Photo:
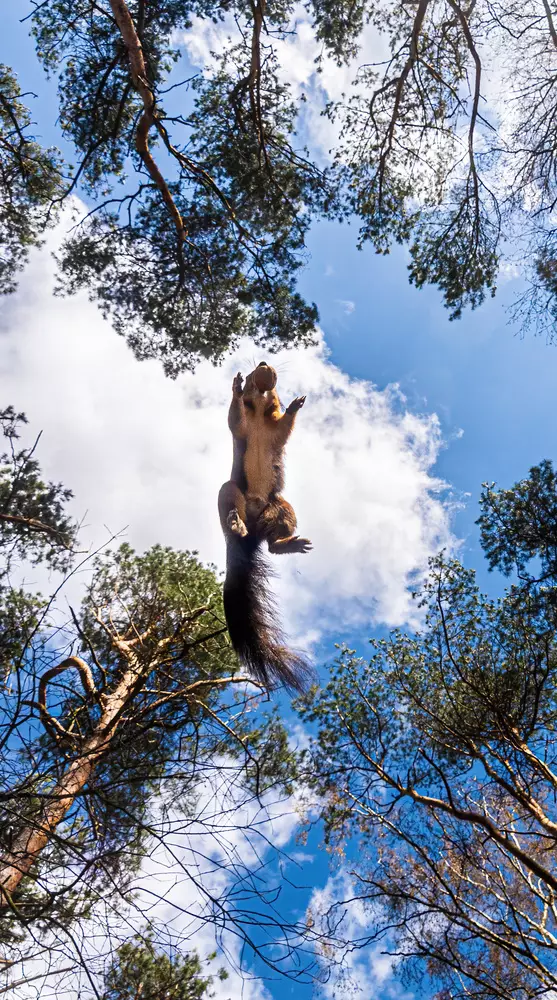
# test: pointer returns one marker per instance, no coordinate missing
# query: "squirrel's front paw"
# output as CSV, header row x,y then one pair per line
x,y
296,404
238,385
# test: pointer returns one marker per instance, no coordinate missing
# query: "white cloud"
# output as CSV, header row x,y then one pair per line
x,y
347,305
150,454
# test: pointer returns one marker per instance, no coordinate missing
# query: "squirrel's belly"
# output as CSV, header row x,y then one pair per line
x,y
258,468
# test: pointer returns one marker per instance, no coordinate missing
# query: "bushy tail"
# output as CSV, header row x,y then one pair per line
x,y
252,619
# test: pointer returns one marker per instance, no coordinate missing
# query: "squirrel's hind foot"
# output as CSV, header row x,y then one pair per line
x,y
292,544
235,524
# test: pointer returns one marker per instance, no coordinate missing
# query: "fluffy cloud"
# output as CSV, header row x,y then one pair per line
x,y
347,305
147,454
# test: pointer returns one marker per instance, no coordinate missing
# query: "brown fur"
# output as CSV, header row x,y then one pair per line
x,y
252,511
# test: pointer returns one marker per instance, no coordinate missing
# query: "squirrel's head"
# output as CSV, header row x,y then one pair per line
x,y
261,380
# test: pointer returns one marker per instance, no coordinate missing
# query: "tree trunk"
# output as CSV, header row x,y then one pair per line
x,y
32,839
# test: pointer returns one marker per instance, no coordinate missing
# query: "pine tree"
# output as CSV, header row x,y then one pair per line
x,y
439,756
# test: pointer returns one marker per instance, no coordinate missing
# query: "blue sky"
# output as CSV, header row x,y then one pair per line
x,y
493,392
477,373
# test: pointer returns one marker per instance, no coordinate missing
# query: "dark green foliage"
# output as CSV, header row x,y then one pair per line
x,y
29,181
34,526
139,970
98,102
339,25
439,757
149,591
457,251
519,525
244,193
33,522
410,178
384,207
19,617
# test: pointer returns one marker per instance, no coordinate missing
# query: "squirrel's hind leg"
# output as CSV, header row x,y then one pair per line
x,y
277,524
232,510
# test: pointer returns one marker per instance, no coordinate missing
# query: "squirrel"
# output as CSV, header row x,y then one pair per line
x,y
252,511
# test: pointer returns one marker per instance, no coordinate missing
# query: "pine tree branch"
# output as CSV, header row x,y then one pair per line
x,y
38,526
138,70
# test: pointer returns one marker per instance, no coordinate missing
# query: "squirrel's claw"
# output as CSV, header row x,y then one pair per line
x,y
238,384
296,404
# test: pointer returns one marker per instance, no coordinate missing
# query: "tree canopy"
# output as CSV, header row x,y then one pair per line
x,y
439,756
200,190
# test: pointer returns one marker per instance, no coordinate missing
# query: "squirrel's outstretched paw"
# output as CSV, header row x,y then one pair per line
x,y
235,524
302,544
296,404
238,384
